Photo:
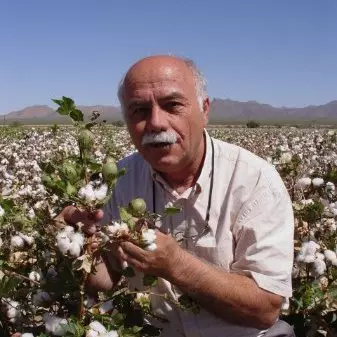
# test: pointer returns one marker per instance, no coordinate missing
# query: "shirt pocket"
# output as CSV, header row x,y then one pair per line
x,y
220,255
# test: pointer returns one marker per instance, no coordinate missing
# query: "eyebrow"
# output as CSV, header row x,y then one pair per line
x,y
173,95
168,97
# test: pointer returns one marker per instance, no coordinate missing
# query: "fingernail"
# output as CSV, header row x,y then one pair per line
x,y
124,265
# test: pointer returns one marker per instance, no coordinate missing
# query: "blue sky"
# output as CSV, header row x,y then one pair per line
x,y
281,52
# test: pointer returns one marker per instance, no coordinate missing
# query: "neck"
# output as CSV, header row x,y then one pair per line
x,y
187,176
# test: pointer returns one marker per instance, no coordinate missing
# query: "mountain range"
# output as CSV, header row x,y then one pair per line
x,y
222,111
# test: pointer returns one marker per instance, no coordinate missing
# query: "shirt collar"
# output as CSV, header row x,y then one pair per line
x,y
205,173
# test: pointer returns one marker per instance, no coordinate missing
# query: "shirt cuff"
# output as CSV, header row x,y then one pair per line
x,y
278,287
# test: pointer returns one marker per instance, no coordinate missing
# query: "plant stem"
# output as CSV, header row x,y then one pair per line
x,y
13,273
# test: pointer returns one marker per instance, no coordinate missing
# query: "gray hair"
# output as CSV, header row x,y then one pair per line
x,y
199,81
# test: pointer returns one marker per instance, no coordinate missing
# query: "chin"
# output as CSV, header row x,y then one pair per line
x,y
165,165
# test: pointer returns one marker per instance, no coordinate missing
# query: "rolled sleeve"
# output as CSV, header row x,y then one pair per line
x,y
264,237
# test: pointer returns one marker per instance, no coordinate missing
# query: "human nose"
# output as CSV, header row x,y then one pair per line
x,y
157,120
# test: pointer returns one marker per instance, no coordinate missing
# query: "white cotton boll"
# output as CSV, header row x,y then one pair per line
x,y
124,228
309,259
311,247
69,230
152,247
63,245
285,158
318,267
62,235
91,333
27,334
28,239
113,229
303,182
31,214
74,249
2,212
97,326
12,309
333,211
34,276
87,193
54,324
307,202
319,256
17,242
101,192
300,257
334,262
317,182
329,186
148,236
78,238
330,255
41,297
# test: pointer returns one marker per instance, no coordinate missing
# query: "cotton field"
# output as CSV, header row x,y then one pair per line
x,y
31,268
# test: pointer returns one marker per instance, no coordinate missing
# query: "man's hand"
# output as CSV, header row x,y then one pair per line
x,y
72,215
160,262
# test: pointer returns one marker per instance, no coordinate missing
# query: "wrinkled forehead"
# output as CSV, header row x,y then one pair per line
x,y
161,80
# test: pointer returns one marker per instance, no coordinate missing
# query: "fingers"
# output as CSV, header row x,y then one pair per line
x,y
98,215
73,215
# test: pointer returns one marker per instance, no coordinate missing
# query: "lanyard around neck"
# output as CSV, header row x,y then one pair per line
x,y
210,193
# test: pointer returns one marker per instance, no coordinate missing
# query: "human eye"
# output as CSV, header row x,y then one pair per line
x,y
138,111
173,106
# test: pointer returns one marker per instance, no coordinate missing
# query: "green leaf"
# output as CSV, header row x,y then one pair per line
x,y
7,204
76,115
130,332
74,329
188,303
57,101
68,103
8,285
172,210
150,280
90,125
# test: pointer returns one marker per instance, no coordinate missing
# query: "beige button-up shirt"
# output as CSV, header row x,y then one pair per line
x,y
250,228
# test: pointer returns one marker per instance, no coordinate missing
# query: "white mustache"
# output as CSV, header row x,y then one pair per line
x,y
159,137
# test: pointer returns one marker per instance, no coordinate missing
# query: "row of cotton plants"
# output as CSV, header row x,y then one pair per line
x,y
307,162
44,262
36,260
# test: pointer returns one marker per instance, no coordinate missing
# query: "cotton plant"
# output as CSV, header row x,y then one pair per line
x,y
44,262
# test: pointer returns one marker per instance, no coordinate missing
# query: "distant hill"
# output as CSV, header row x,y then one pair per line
x,y
35,111
222,111
235,111
44,114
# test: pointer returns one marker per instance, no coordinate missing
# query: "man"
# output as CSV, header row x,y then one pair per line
x,y
236,225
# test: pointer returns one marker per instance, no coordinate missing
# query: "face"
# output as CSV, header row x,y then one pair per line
x,y
160,96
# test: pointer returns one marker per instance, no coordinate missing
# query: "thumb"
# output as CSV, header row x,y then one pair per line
x,y
97,215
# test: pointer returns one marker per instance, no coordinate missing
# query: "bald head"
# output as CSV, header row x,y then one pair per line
x,y
169,66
